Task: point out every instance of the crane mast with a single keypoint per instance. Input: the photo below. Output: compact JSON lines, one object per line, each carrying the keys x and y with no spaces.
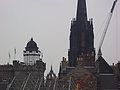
{"x":106,"y":27}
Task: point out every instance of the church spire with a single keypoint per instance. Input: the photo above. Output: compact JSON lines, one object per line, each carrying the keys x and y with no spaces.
{"x":51,"y":70}
{"x":81,"y":10}
{"x":99,"y":53}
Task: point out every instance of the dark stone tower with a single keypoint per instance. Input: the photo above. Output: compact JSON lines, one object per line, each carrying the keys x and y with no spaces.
{"x":81,"y":36}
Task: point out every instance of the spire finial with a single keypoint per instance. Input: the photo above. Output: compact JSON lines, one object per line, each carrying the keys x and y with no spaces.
{"x":51,"y":68}
{"x":99,"y":53}
{"x":51,"y":74}
{"x":81,"y":10}
{"x":31,"y":38}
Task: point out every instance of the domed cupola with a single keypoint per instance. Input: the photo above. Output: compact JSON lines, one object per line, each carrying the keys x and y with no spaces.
{"x":32,"y":53}
{"x":31,"y":46}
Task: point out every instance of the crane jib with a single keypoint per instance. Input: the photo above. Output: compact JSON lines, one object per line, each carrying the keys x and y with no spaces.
{"x":106,"y":27}
{"x":113,"y":6}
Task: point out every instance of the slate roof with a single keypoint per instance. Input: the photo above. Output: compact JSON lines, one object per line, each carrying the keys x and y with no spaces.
{"x":103,"y":67}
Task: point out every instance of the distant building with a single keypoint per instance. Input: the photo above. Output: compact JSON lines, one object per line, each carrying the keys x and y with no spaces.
{"x":27,"y":75}
{"x":81,"y":68}
{"x":31,"y":53}
{"x":50,"y":80}
{"x":80,"y":72}
{"x":81,"y":36}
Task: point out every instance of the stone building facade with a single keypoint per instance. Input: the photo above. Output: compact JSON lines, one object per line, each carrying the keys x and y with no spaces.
{"x":27,"y":75}
{"x":80,"y":72}
{"x":81,"y":56}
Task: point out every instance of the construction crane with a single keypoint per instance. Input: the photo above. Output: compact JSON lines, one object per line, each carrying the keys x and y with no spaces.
{"x":106,"y":28}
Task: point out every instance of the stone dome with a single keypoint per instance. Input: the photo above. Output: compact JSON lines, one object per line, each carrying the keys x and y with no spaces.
{"x":31,"y":46}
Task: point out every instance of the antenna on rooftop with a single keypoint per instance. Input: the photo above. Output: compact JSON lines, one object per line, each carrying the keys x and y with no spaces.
{"x":9,"y":58}
{"x":14,"y":53}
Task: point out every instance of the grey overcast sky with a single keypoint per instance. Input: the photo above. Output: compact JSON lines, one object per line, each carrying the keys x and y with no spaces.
{"x":48,"y":22}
